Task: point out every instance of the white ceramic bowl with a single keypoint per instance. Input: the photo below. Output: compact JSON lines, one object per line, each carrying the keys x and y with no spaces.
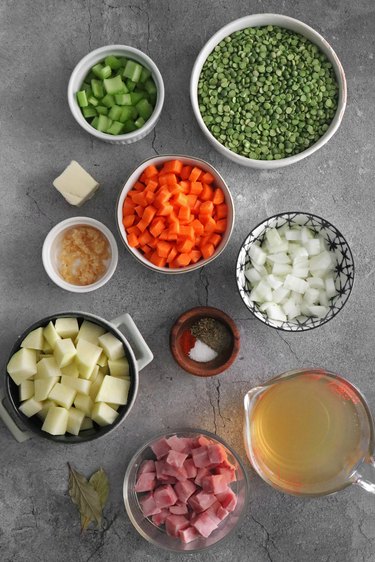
{"x":258,"y":20}
{"x":82,"y":69}
{"x":187,"y":160}
{"x":51,"y":248}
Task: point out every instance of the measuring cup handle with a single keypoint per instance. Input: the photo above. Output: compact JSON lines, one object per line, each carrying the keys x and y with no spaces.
{"x":141,"y":350}
{"x":18,"y":434}
{"x":364,"y":483}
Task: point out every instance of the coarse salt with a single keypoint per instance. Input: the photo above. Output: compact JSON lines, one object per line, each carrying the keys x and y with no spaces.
{"x":202,"y":352}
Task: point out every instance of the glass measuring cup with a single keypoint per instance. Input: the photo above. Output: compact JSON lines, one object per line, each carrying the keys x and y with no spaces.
{"x":294,"y":448}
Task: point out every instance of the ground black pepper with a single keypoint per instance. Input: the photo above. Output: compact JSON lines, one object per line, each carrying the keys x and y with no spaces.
{"x":213,"y":333}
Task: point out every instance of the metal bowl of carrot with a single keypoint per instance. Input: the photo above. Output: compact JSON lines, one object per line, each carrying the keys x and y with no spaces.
{"x":175,"y":213}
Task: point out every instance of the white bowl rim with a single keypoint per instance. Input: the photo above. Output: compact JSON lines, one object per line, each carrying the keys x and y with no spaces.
{"x":100,"y":53}
{"x":246,"y":21}
{"x":60,"y":227}
{"x":134,"y":252}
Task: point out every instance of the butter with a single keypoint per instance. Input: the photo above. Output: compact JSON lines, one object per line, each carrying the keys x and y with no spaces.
{"x":75,"y":184}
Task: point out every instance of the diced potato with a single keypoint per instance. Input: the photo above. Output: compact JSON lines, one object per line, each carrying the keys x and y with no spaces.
{"x":112,"y":346}
{"x":34,"y":340}
{"x":94,"y":389}
{"x":56,"y":421}
{"x":22,"y":365}
{"x":103,"y":414}
{"x":94,"y":373}
{"x":119,"y":367}
{"x":70,"y":371}
{"x":75,"y":420}
{"x":30,"y":407}
{"x":63,"y":395}
{"x":47,"y":404}
{"x":47,"y":367}
{"x":114,"y":390}
{"x":103,"y":360}
{"x":67,"y":327}
{"x":64,"y":352}
{"x":104,"y":370}
{"x":87,"y":356}
{"x":113,"y":406}
{"x":80,"y":385}
{"x":46,"y":347}
{"x":26,"y":390}
{"x":51,"y":335}
{"x":43,"y":387}
{"x":87,"y":424}
{"x":84,"y":403}
{"x":90,"y":332}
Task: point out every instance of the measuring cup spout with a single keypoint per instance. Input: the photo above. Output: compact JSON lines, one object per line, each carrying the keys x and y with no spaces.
{"x":363,"y":482}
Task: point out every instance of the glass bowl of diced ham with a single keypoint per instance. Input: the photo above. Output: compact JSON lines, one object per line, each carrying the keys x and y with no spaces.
{"x":185,"y":490}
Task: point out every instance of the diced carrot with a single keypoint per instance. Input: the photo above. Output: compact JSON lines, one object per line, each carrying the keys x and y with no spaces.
{"x":139,"y":210}
{"x":149,"y":196}
{"x":164,"y":235}
{"x":206,"y":208}
{"x":133,"y":230}
{"x":195,"y":255}
{"x":173,"y":167}
{"x":219,"y":196}
{"x":180,"y":200}
{"x":157,"y":227}
{"x":148,"y":214}
{"x":198,"y":227}
{"x":221,"y":225}
{"x":165,"y":210}
{"x":145,"y":238}
{"x":184,"y":213}
{"x":210,"y":225}
{"x":174,"y":228}
{"x":207,"y":193}
{"x":187,"y":232}
{"x":186,"y":246}
{"x":138,"y":186}
{"x":196,"y":207}
{"x":152,"y":185}
{"x":157,"y":260}
{"x":128,"y":206}
{"x":152,"y":243}
{"x":163,"y":248}
{"x":192,"y":199}
{"x":204,"y":240}
{"x":172,"y":254}
{"x":207,"y":250}
{"x":215,"y":239}
{"x":168,"y":179}
{"x":146,"y":250}
{"x":185,"y":172}
{"x":142,"y":225}
{"x":172,"y":218}
{"x":196,"y":187}
{"x":162,"y":197}
{"x":133,"y":240}
{"x":207,"y":177}
{"x":185,"y":185}
{"x":195,"y":174}
{"x":128,"y":220}
{"x":182,"y":260}
{"x":139,"y":199}
{"x":203,"y":218}
{"x":221,"y":211}
{"x":151,"y":171}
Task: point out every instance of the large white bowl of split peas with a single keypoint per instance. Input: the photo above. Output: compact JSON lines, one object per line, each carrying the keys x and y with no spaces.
{"x":268,"y":90}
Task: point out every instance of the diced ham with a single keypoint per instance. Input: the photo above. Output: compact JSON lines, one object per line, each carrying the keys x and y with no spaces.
{"x":147,"y":466}
{"x":202,"y":441}
{"x":191,"y":469}
{"x":165,"y":496}
{"x":216,"y":454}
{"x":176,"y":459}
{"x":212,"y":512}
{"x":176,"y":523}
{"x":229,"y":473}
{"x":202,"y":472}
{"x":201,"y":501}
{"x":148,"y":505}
{"x":200,"y":457}
{"x":180,"y":444}
{"x":179,"y":473}
{"x":204,"y":524}
{"x":215,"y":483}
{"x":160,"y":470}
{"x":222,"y":513}
{"x":189,"y":534}
{"x":228,"y":499}
{"x":184,"y":490}
{"x":159,"y":518}
{"x":179,"y":509}
{"x":166,"y":480}
{"x":146,"y":482}
{"x":160,"y":448}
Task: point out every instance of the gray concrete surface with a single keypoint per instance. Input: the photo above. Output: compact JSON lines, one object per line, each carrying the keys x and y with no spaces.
{"x":40,"y":44}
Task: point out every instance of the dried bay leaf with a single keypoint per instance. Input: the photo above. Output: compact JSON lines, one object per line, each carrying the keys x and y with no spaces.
{"x":99,"y":481}
{"x":84,"y":496}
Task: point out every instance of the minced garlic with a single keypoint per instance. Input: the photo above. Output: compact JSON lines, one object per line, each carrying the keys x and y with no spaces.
{"x":85,"y":255}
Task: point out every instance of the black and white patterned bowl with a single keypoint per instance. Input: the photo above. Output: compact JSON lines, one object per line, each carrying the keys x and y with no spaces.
{"x":343,"y":271}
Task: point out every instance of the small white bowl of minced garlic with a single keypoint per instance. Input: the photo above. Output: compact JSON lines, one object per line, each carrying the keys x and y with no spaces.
{"x":80,"y":254}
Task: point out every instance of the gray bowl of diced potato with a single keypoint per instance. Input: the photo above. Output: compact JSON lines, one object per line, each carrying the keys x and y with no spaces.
{"x":73,"y":376}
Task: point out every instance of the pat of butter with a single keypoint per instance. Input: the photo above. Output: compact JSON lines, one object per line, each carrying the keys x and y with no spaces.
{"x":75,"y":184}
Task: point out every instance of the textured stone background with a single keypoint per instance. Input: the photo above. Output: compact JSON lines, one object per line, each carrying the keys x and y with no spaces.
{"x":40,"y":44}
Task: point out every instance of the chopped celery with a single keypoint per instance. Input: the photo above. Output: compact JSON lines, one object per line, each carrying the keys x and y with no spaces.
{"x":144,"y":74}
{"x":139,"y":122}
{"x":152,"y":99}
{"x":130,"y":85}
{"x":94,"y":122}
{"x":145,"y":109}
{"x":121,"y":99}
{"x":104,"y":123}
{"x":123,"y":60}
{"x":129,"y":126}
{"x":134,"y":112}
{"x":113,"y":62}
{"x":82,"y":99}
{"x":150,"y":86}
{"x":101,"y":71}
{"x":133,"y":70}
{"x":87,"y":88}
{"x":114,"y":85}
{"x":108,"y":100}
{"x":115,"y":128}
{"x":93,"y":101}
{"x":89,"y":112}
{"x":115,"y":112}
{"x":102,"y":110}
{"x":97,"y":88}
{"x":136,"y":97}
{"x":126,"y":113}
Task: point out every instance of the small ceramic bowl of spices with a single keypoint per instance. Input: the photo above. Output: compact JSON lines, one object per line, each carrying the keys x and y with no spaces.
{"x":204,"y":341}
{"x":80,"y":254}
